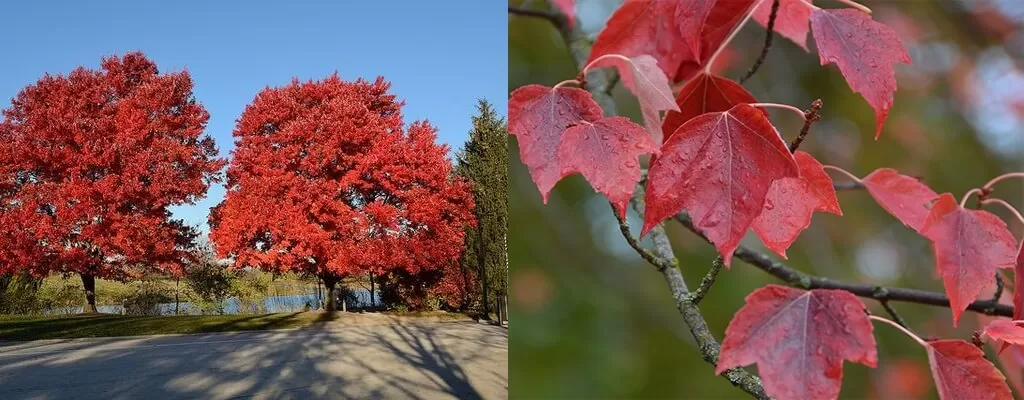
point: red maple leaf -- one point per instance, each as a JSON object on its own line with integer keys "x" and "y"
{"x": 792, "y": 20}
{"x": 969, "y": 247}
{"x": 1010, "y": 332}
{"x": 905, "y": 197}
{"x": 961, "y": 371}
{"x": 537, "y": 116}
{"x": 642, "y": 76}
{"x": 676, "y": 33}
{"x": 791, "y": 201}
{"x": 605, "y": 152}
{"x": 718, "y": 167}
{"x": 799, "y": 340}
{"x": 865, "y": 52}
{"x": 703, "y": 94}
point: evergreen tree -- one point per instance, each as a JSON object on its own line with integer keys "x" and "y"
{"x": 484, "y": 161}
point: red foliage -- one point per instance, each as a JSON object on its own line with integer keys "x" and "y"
{"x": 538, "y": 116}
{"x": 790, "y": 203}
{"x": 865, "y": 52}
{"x": 799, "y": 340}
{"x": 326, "y": 180}
{"x": 718, "y": 167}
{"x": 91, "y": 161}
{"x": 961, "y": 371}
{"x": 969, "y": 247}
{"x": 904, "y": 197}
{"x": 703, "y": 94}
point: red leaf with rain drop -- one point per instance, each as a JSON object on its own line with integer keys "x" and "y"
{"x": 799, "y": 339}
{"x": 718, "y": 167}
{"x": 703, "y": 94}
{"x": 961, "y": 371}
{"x": 790, "y": 203}
{"x": 969, "y": 245}
{"x": 905, "y": 197}
{"x": 792, "y": 20}
{"x": 605, "y": 153}
{"x": 537, "y": 116}
{"x": 678, "y": 34}
{"x": 649, "y": 84}
{"x": 865, "y": 52}
{"x": 1010, "y": 332}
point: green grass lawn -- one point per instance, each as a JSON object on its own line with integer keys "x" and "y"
{"x": 100, "y": 325}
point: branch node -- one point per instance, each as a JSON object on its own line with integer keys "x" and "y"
{"x": 810, "y": 117}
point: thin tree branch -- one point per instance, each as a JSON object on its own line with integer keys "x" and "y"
{"x": 999, "y": 288}
{"x": 707, "y": 281}
{"x": 709, "y": 347}
{"x": 659, "y": 262}
{"x": 880, "y": 293}
{"x": 767, "y": 42}
{"x": 810, "y": 116}
{"x": 895, "y": 315}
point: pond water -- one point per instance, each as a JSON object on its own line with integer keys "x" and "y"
{"x": 271, "y": 304}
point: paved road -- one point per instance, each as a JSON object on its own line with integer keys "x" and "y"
{"x": 461, "y": 360}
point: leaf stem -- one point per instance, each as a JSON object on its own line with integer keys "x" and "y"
{"x": 782, "y": 106}
{"x": 604, "y": 56}
{"x": 1002, "y": 177}
{"x": 902, "y": 329}
{"x": 566, "y": 82}
{"x": 968, "y": 195}
{"x": 856, "y": 5}
{"x": 735, "y": 31}
{"x": 843, "y": 171}
{"x": 1008, "y": 207}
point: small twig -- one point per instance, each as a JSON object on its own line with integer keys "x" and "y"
{"x": 810, "y": 116}
{"x": 767, "y": 42}
{"x": 999, "y": 288}
{"x": 895, "y": 315}
{"x": 652, "y": 258}
{"x": 708, "y": 280}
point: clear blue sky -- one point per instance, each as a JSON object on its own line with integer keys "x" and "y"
{"x": 440, "y": 56}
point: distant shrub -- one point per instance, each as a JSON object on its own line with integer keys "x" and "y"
{"x": 19, "y": 294}
{"x": 147, "y": 298}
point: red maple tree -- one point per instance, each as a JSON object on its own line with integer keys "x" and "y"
{"x": 91, "y": 161}
{"x": 325, "y": 179}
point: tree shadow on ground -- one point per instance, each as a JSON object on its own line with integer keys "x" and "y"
{"x": 323, "y": 360}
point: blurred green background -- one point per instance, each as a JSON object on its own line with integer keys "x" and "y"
{"x": 592, "y": 320}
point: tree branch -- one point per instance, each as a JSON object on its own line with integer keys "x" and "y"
{"x": 707, "y": 281}
{"x": 880, "y": 293}
{"x": 525, "y": 12}
{"x": 810, "y": 116}
{"x": 709, "y": 347}
{"x": 767, "y": 42}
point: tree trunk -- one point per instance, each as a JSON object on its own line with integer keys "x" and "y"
{"x": 329, "y": 284}
{"x": 373, "y": 297}
{"x": 176, "y": 302}
{"x": 482, "y": 260}
{"x": 89, "y": 282}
